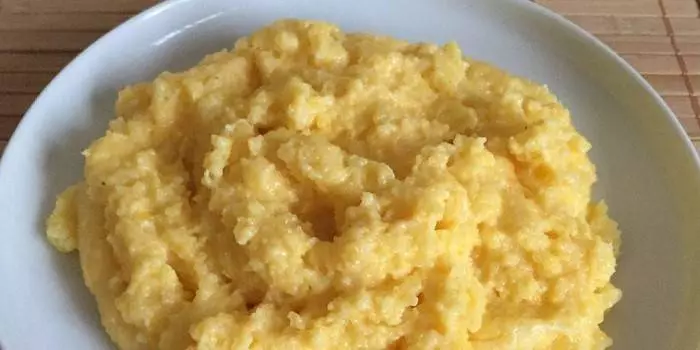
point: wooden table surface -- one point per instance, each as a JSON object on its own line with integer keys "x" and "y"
{"x": 661, "y": 38}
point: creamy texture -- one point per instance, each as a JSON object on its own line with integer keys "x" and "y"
{"x": 312, "y": 189}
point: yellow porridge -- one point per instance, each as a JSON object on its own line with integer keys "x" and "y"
{"x": 312, "y": 189}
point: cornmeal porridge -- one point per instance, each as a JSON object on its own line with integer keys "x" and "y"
{"x": 312, "y": 189}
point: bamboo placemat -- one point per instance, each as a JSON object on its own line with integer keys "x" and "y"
{"x": 661, "y": 38}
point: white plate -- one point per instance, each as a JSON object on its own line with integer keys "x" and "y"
{"x": 648, "y": 171}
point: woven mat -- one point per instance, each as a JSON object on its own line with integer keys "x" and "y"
{"x": 661, "y": 38}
